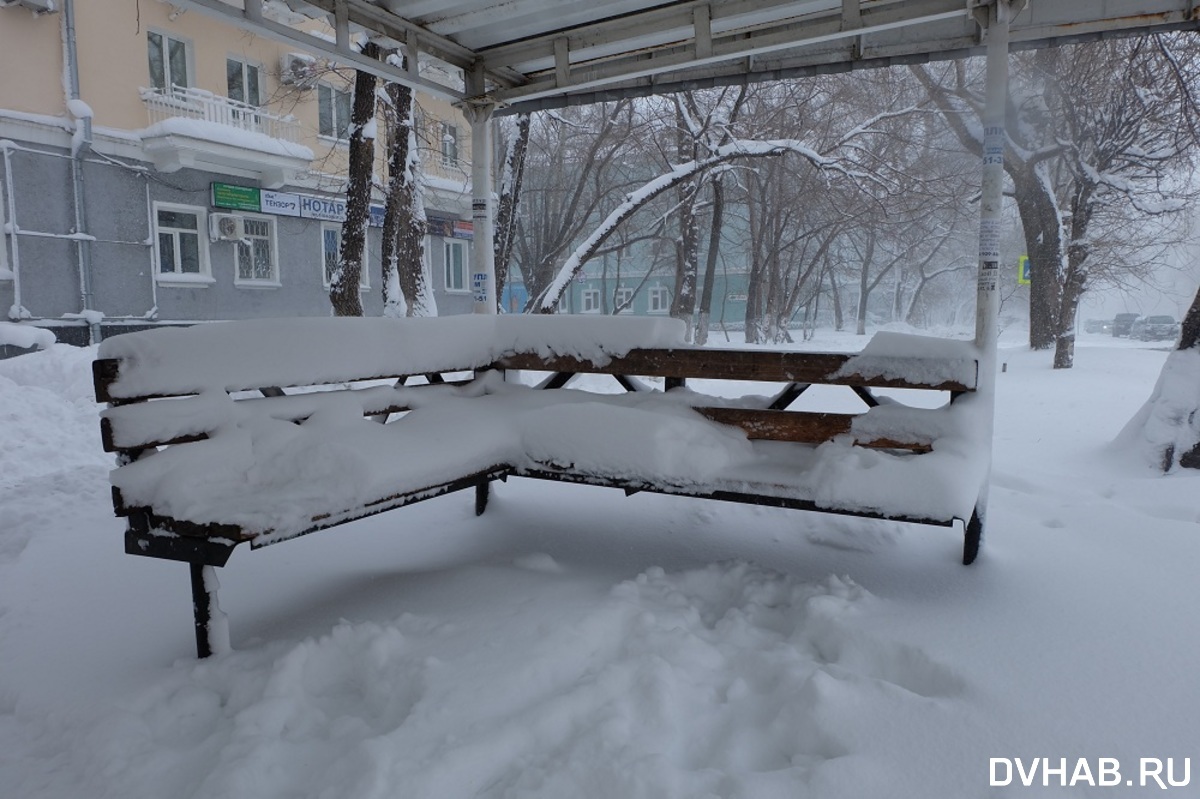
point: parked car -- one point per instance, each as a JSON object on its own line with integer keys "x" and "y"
{"x": 1155, "y": 328}
{"x": 1122, "y": 323}
{"x": 1097, "y": 326}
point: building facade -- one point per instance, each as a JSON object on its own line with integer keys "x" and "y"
{"x": 161, "y": 167}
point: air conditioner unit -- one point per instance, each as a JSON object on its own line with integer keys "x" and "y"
{"x": 226, "y": 227}
{"x": 297, "y": 69}
{"x": 36, "y": 6}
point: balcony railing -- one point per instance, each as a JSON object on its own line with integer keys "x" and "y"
{"x": 203, "y": 105}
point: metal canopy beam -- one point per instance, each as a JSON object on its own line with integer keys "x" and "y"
{"x": 592, "y": 67}
{"x": 551, "y": 53}
{"x": 253, "y": 20}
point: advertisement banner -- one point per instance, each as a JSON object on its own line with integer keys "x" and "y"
{"x": 235, "y": 198}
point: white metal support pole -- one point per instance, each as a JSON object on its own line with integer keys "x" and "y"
{"x": 987, "y": 300}
{"x": 478, "y": 109}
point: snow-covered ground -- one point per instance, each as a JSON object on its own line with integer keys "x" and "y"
{"x": 573, "y": 642}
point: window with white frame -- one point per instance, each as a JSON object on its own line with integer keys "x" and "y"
{"x": 624, "y": 298}
{"x": 564, "y": 302}
{"x": 243, "y": 82}
{"x": 449, "y": 144}
{"x": 660, "y": 300}
{"x": 333, "y": 112}
{"x": 168, "y": 61}
{"x": 591, "y": 300}
{"x": 455, "y": 263}
{"x": 180, "y": 243}
{"x": 256, "y": 262}
{"x": 331, "y": 251}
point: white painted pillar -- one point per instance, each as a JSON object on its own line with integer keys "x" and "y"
{"x": 478, "y": 110}
{"x": 987, "y": 299}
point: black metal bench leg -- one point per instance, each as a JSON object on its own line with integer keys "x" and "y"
{"x": 972, "y": 537}
{"x": 482, "y": 491}
{"x": 212, "y": 632}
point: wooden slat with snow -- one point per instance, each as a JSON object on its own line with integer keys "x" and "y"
{"x": 179, "y": 420}
{"x": 804, "y": 427}
{"x": 758, "y": 365}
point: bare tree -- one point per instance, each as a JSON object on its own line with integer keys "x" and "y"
{"x": 512, "y": 176}
{"x": 834, "y": 150}
{"x": 576, "y": 164}
{"x": 1096, "y": 141}
{"x": 343, "y": 283}
{"x": 407, "y": 287}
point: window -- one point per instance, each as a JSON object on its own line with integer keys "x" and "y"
{"x": 624, "y": 298}
{"x": 168, "y": 62}
{"x": 591, "y": 300}
{"x": 331, "y": 249}
{"x": 449, "y": 144}
{"x": 256, "y": 252}
{"x": 179, "y": 246}
{"x": 243, "y": 82}
{"x": 333, "y": 112}
{"x": 564, "y": 301}
{"x": 456, "y": 265}
{"x": 659, "y": 301}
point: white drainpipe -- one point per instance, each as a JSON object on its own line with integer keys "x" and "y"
{"x": 478, "y": 109}
{"x": 15, "y": 312}
{"x": 81, "y": 142}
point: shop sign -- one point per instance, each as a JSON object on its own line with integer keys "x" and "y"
{"x": 280, "y": 203}
{"x": 235, "y": 198}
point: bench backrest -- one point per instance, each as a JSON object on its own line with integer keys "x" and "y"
{"x": 255, "y": 361}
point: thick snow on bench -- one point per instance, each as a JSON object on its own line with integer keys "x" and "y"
{"x": 281, "y": 352}
{"x": 922, "y": 359}
{"x": 270, "y": 476}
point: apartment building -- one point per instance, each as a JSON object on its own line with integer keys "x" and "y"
{"x": 159, "y": 166}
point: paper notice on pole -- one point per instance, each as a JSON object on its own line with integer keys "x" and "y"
{"x": 989, "y": 239}
{"x": 989, "y": 275}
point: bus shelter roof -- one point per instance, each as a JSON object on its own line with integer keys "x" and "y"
{"x": 536, "y": 54}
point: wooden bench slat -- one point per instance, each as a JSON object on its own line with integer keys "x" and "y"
{"x": 151, "y": 534}
{"x": 802, "y": 426}
{"x": 119, "y": 425}
{"x": 713, "y": 364}
{"x": 634, "y": 486}
{"x": 106, "y": 372}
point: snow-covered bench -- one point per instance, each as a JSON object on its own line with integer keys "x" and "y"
{"x": 261, "y": 431}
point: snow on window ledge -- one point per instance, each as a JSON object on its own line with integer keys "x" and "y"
{"x": 334, "y": 140}
{"x": 184, "y": 281}
{"x": 256, "y": 284}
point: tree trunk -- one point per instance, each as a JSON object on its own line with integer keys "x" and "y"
{"x": 1166, "y": 430}
{"x": 1189, "y": 340}
{"x": 405, "y": 292}
{"x": 511, "y": 177}
{"x": 1189, "y": 336}
{"x": 754, "y": 275}
{"x": 710, "y": 262}
{"x": 343, "y": 284}
{"x": 1064, "y": 340}
{"x": 687, "y": 263}
{"x": 864, "y": 288}
{"x": 839, "y": 320}
{"x": 1075, "y": 279}
{"x": 1043, "y": 245}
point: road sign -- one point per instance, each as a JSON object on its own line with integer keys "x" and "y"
{"x": 1023, "y": 271}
